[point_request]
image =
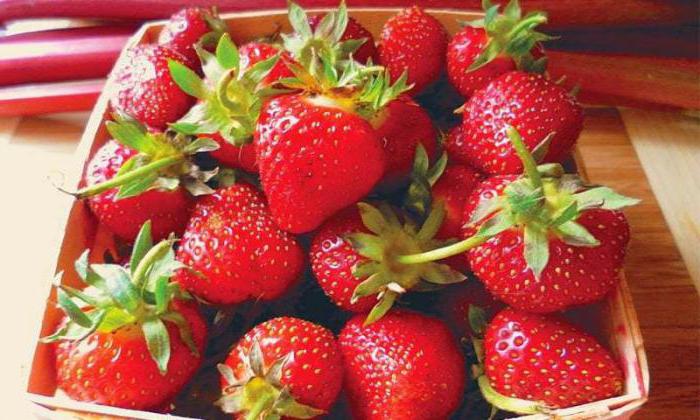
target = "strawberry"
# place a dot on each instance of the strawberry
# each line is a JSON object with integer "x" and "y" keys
{"x": 144, "y": 88}
{"x": 534, "y": 363}
{"x": 253, "y": 53}
{"x": 452, "y": 190}
{"x": 497, "y": 44}
{"x": 456, "y": 302}
{"x": 283, "y": 368}
{"x": 143, "y": 176}
{"x": 401, "y": 126}
{"x": 228, "y": 98}
{"x": 129, "y": 340}
{"x": 187, "y": 27}
{"x": 415, "y": 42}
{"x": 404, "y": 366}
{"x": 354, "y": 31}
{"x": 235, "y": 250}
{"x": 544, "y": 241}
{"x": 535, "y": 106}
{"x": 311, "y": 153}
{"x": 352, "y": 257}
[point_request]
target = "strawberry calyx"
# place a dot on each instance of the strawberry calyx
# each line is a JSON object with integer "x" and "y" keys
{"x": 229, "y": 98}
{"x": 116, "y": 296}
{"x": 543, "y": 203}
{"x": 419, "y": 197}
{"x": 511, "y": 34}
{"x": 164, "y": 161}
{"x": 260, "y": 394}
{"x": 477, "y": 322}
{"x": 391, "y": 237}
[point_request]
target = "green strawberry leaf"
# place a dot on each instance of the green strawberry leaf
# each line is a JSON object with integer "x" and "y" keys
{"x": 604, "y": 198}
{"x": 187, "y": 80}
{"x": 143, "y": 242}
{"x": 381, "y": 308}
{"x": 227, "y": 53}
{"x": 72, "y": 310}
{"x": 114, "y": 319}
{"x": 575, "y": 234}
{"x": 118, "y": 281}
{"x": 536, "y": 249}
{"x": 158, "y": 342}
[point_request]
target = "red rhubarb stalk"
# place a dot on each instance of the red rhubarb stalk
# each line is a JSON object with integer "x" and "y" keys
{"x": 46, "y": 98}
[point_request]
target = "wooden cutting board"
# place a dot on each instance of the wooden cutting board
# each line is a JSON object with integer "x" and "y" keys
{"x": 666, "y": 300}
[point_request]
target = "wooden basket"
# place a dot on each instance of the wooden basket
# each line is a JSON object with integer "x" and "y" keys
{"x": 616, "y": 317}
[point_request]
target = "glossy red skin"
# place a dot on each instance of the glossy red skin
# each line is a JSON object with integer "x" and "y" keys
{"x": 183, "y": 30}
{"x": 405, "y": 366}
{"x": 401, "y": 126}
{"x": 464, "y": 48}
{"x": 354, "y": 31}
{"x": 415, "y": 41}
{"x": 116, "y": 368}
{"x": 314, "y": 376}
{"x": 573, "y": 276}
{"x": 168, "y": 211}
{"x": 233, "y": 243}
{"x": 528, "y": 102}
{"x": 452, "y": 190}
{"x": 314, "y": 160}
{"x": 144, "y": 88}
{"x": 545, "y": 359}
{"x": 254, "y": 52}
{"x": 333, "y": 259}
{"x": 456, "y": 300}
{"x": 241, "y": 157}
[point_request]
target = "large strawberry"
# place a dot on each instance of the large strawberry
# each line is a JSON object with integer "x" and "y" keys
{"x": 496, "y": 44}
{"x": 353, "y": 31}
{"x": 533, "y": 363}
{"x": 143, "y": 176}
{"x": 235, "y": 250}
{"x": 544, "y": 241}
{"x": 404, "y": 366}
{"x": 283, "y": 368}
{"x": 129, "y": 340}
{"x": 229, "y": 98}
{"x": 144, "y": 89}
{"x": 413, "y": 42}
{"x": 353, "y": 258}
{"x": 535, "y": 106}
{"x": 187, "y": 27}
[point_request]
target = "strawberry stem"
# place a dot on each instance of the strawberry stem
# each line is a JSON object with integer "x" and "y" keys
{"x": 502, "y": 402}
{"x": 262, "y": 404}
{"x": 129, "y": 176}
{"x": 444, "y": 252}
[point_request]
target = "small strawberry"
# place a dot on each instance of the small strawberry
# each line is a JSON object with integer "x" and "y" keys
{"x": 315, "y": 158}
{"x": 229, "y": 99}
{"x": 544, "y": 241}
{"x": 253, "y": 53}
{"x": 187, "y": 27}
{"x": 534, "y": 363}
{"x": 497, "y": 44}
{"x": 283, "y": 368}
{"x": 352, "y": 257}
{"x": 535, "y": 106}
{"x": 456, "y": 302}
{"x": 129, "y": 340}
{"x": 235, "y": 250}
{"x": 413, "y": 42}
{"x": 354, "y": 31}
{"x": 404, "y": 366}
{"x": 143, "y": 176}
{"x": 401, "y": 126}
{"x": 144, "y": 88}
{"x": 452, "y": 190}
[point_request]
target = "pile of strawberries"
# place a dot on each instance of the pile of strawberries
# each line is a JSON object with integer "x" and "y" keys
{"x": 295, "y": 217}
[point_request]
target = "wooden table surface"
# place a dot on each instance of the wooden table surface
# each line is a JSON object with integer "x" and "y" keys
{"x": 651, "y": 155}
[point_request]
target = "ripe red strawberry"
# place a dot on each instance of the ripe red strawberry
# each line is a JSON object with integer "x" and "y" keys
{"x": 416, "y": 42}
{"x": 122, "y": 344}
{"x": 497, "y": 44}
{"x": 354, "y": 31}
{"x": 144, "y": 88}
{"x": 535, "y": 106}
{"x": 254, "y": 52}
{"x": 452, "y": 190}
{"x": 547, "y": 361}
{"x": 229, "y": 97}
{"x": 541, "y": 242}
{"x": 235, "y": 249}
{"x": 186, "y": 27}
{"x": 285, "y": 367}
{"x": 404, "y": 366}
{"x": 353, "y": 258}
{"x": 456, "y": 301}
{"x": 401, "y": 125}
{"x": 311, "y": 153}
{"x": 169, "y": 210}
